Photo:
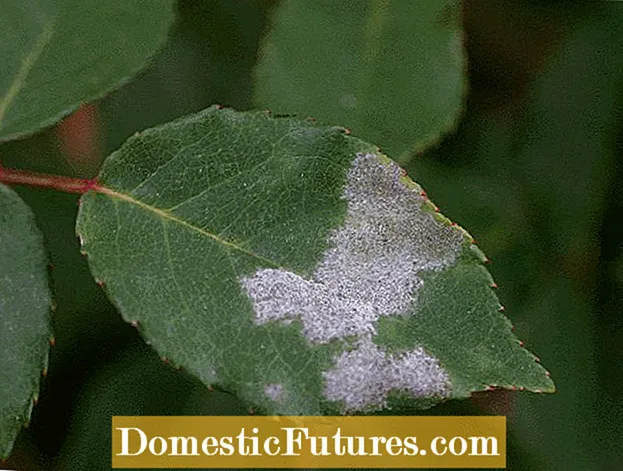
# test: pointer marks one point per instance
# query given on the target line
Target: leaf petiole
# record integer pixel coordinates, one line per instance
(11, 176)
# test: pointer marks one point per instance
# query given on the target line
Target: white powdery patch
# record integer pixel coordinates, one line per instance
(362, 378)
(274, 391)
(370, 270)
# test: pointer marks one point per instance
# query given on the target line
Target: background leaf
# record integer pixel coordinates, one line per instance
(195, 219)
(24, 315)
(393, 72)
(57, 54)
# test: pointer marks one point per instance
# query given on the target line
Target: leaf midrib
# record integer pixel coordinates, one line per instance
(28, 63)
(173, 218)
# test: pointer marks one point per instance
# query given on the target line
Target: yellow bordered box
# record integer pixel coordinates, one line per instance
(309, 442)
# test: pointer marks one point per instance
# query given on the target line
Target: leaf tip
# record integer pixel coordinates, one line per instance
(551, 387)
(546, 387)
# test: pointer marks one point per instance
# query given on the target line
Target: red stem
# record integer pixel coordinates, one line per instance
(55, 182)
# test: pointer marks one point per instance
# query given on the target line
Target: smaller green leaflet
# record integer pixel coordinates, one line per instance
(297, 267)
(25, 305)
(57, 54)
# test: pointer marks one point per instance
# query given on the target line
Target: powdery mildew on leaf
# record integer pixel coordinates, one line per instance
(365, 376)
(370, 270)
(274, 391)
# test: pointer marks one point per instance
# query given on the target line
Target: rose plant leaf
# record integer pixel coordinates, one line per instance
(57, 54)
(393, 72)
(25, 305)
(297, 267)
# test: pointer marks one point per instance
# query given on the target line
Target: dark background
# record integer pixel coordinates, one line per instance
(534, 172)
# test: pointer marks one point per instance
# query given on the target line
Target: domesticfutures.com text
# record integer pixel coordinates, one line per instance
(294, 441)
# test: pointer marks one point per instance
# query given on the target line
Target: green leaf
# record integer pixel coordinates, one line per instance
(295, 266)
(391, 71)
(24, 315)
(57, 54)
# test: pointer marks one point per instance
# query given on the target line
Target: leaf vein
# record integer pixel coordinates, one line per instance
(27, 64)
(173, 218)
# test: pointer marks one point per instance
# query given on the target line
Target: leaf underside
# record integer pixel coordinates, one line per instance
(57, 54)
(24, 315)
(297, 267)
(393, 72)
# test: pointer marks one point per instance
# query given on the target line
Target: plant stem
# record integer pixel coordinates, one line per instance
(55, 182)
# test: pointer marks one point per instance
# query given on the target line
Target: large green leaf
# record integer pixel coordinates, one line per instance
(24, 315)
(392, 71)
(57, 54)
(296, 266)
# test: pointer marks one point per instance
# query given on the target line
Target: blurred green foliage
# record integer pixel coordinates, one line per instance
(534, 171)
(57, 54)
(392, 72)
